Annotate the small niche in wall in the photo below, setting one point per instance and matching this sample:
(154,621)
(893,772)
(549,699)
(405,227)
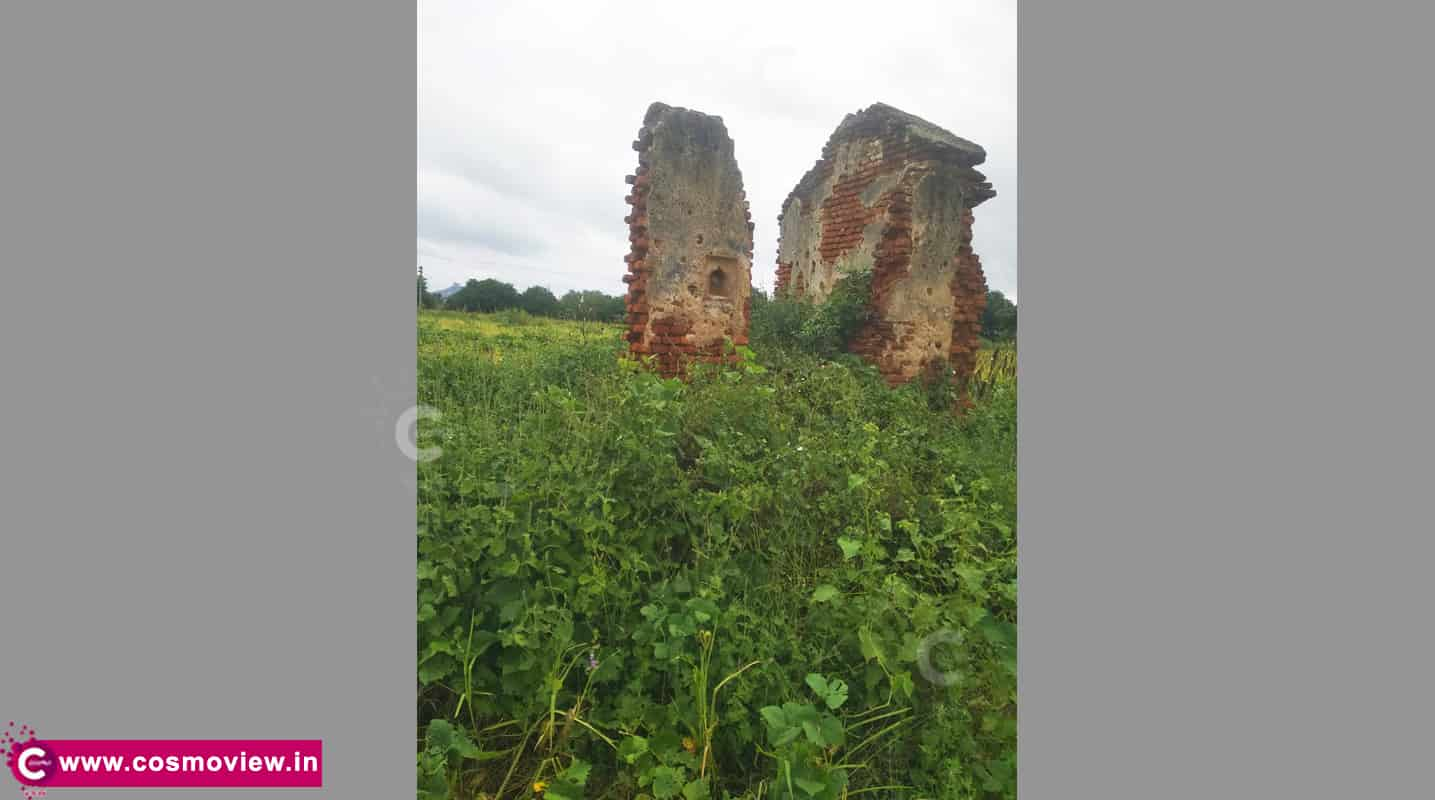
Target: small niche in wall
(722,276)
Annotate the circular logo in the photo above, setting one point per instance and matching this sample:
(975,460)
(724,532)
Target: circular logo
(924,657)
(408,422)
(34,763)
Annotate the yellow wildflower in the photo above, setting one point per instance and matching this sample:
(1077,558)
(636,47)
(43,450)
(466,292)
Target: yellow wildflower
(539,786)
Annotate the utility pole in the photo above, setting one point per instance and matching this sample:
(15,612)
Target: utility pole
(421,286)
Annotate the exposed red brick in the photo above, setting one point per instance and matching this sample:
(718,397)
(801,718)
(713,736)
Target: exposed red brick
(927,187)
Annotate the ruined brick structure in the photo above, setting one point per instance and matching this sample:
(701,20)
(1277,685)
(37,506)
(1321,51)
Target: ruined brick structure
(893,194)
(690,267)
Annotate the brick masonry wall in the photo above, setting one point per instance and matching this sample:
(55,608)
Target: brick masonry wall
(893,194)
(969,290)
(690,234)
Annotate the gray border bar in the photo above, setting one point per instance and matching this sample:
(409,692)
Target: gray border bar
(1223,432)
(207,322)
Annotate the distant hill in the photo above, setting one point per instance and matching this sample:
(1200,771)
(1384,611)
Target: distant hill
(444,293)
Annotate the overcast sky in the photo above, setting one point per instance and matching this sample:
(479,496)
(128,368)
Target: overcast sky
(527,112)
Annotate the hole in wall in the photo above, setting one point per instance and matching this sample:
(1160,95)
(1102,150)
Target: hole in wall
(722,275)
(700,238)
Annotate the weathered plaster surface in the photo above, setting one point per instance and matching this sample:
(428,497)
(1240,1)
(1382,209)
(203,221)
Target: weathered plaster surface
(690,268)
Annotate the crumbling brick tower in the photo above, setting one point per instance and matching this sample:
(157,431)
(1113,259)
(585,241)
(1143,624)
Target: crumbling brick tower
(893,194)
(690,268)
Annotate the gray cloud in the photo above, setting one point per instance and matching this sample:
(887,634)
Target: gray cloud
(526,116)
(439,223)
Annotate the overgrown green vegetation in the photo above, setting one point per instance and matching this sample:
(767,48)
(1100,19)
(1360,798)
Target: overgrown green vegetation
(822,329)
(783,580)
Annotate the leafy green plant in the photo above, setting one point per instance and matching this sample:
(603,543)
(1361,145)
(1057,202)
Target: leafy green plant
(805,739)
(822,329)
(439,762)
(666,770)
(833,323)
(567,784)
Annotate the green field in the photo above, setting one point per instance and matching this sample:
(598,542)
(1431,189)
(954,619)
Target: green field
(778,580)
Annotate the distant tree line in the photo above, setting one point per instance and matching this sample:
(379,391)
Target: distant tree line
(490,295)
(999,318)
